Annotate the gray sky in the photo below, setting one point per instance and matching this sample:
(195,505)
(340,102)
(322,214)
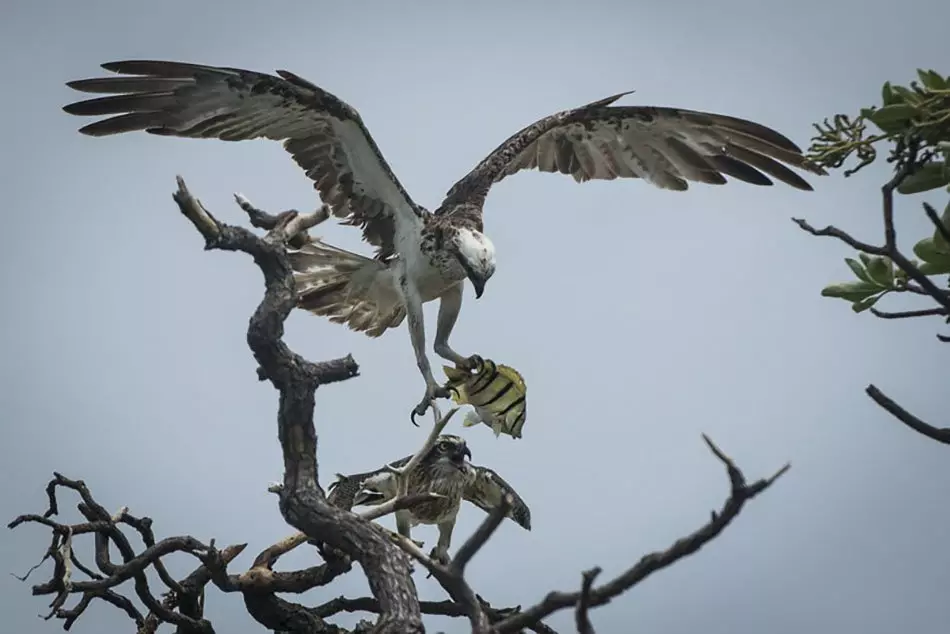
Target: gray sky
(125,362)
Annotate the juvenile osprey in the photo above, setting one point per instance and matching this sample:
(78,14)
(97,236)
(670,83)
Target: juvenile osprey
(422,255)
(443,470)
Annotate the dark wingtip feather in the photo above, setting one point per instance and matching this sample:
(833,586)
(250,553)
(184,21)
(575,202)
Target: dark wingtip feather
(116,125)
(737,169)
(606,101)
(155,67)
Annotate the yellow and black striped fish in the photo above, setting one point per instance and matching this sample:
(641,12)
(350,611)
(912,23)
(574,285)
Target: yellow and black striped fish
(497,392)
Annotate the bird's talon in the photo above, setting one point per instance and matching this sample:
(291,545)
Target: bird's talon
(419,410)
(439,556)
(473,363)
(433,392)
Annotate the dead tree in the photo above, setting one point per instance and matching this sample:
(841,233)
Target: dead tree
(345,537)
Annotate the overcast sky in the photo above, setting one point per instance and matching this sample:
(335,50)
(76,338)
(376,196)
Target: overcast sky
(639,317)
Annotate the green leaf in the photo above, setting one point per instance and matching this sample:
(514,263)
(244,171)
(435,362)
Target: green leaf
(935,268)
(865,258)
(858,269)
(939,241)
(930,176)
(887,94)
(893,118)
(881,270)
(851,291)
(905,95)
(931,79)
(928,251)
(864,304)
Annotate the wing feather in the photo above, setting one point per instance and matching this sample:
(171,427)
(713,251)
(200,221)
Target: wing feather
(486,492)
(343,492)
(325,136)
(667,147)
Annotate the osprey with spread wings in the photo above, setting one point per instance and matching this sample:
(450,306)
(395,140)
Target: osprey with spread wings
(422,255)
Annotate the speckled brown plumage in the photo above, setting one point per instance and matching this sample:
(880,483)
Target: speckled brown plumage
(456,480)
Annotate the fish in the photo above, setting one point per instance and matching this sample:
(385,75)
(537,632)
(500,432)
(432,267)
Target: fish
(496,392)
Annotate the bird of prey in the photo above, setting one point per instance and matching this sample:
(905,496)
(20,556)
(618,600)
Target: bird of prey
(443,470)
(421,255)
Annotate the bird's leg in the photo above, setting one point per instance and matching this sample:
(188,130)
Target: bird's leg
(417,334)
(404,527)
(441,551)
(450,305)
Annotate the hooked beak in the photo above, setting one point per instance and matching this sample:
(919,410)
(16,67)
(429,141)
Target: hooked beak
(460,454)
(478,284)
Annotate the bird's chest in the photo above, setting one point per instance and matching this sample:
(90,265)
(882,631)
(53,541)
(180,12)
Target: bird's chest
(435,269)
(447,483)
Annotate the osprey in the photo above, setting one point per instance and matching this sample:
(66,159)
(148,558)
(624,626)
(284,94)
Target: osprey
(443,470)
(422,255)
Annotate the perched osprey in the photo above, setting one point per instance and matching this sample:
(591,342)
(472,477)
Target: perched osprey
(442,470)
(422,255)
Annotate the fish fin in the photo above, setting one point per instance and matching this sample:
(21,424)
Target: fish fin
(513,375)
(471,419)
(454,374)
(497,427)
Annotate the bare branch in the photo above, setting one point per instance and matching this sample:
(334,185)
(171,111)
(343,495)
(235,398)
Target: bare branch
(398,504)
(434,608)
(263,220)
(105,528)
(835,232)
(901,414)
(649,564)
(302,501)
(581,617)
(481,535)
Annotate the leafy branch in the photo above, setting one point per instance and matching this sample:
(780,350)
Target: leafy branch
(914,124)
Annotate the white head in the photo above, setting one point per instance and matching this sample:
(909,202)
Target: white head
(476,254)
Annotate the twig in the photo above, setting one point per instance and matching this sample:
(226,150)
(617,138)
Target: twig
(144,528)
(845,237)
(581,617)
(942,297)
(740,494)
(927,312)
(481,535)
(263,220)
(887,196)
(901,414)
(398,503)
(439,424)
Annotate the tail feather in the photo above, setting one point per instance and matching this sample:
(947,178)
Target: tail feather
(347,288)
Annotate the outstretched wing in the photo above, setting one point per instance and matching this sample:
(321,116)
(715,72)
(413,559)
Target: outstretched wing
(486,492)
(343,492)
(325,136)
(667,147)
